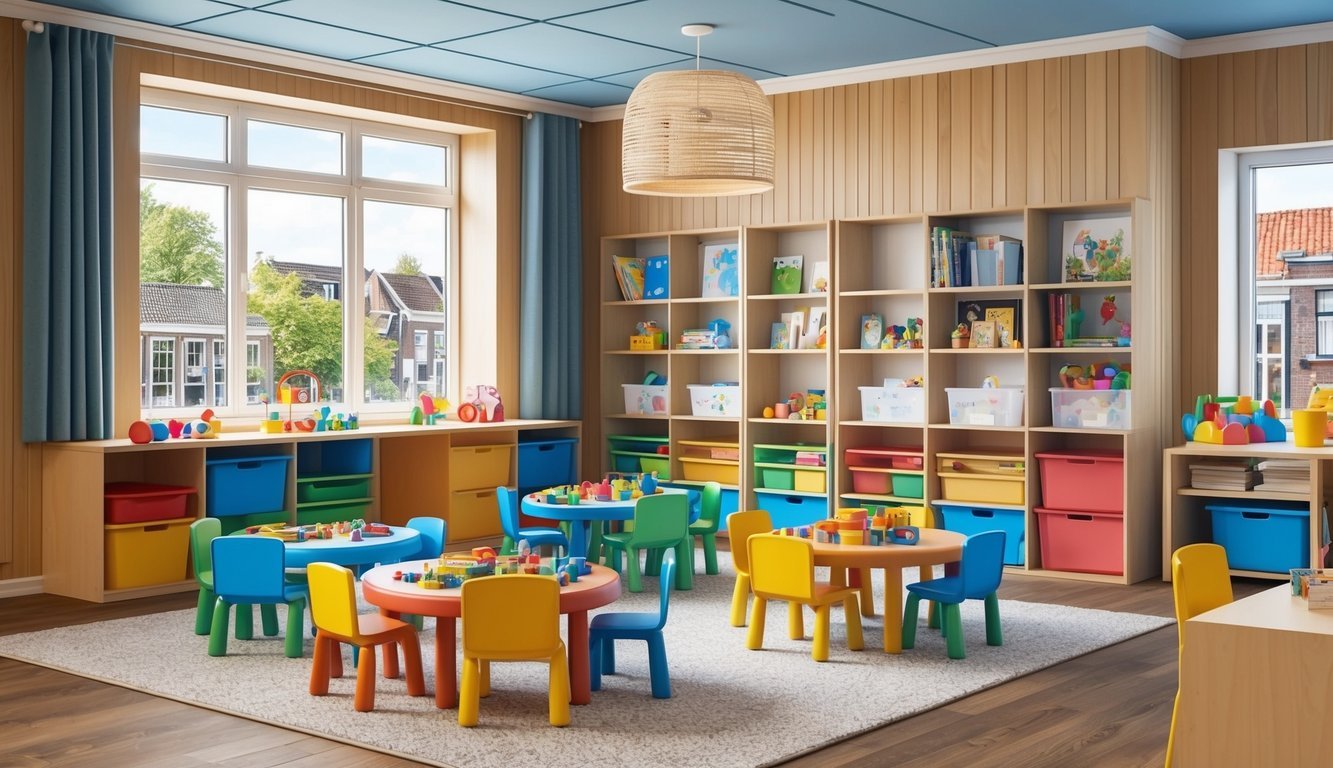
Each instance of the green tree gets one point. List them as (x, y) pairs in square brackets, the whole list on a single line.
[(407, 264), (177, 244)]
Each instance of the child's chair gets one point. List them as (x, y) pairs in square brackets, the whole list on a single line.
[(433, 533), (710, 514), (976, 577), (511, 618), (248, 570), (606, 628), (507, 500), (333, 612), (661, 521), (1200, 581), (740, 527), (783, 568)]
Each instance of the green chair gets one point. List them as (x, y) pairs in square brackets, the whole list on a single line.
[(710, 514), (660, 521), (202, 533)]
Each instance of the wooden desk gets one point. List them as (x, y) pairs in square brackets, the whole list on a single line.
[(1256, 685)]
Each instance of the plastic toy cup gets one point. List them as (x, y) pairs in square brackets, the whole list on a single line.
[(1308, 427), (781, 410)]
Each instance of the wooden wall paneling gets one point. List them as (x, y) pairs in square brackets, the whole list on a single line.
[(1320, 116), (944, 148), (1244, 117), (826, 157), (1035, 169), (915, 148), (980, 126), (1266, 101), (1056, 142), (1226, 102), (1016, 136), (1133, 123), (1075, 115), (1291, 94), (783, 141), (930, 142), (999, 117), (1094, 115), (1112, 121), (878, 146), (1199, 256), (806, 150)]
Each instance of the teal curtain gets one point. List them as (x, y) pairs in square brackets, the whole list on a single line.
[(550, 320), (67, 235)]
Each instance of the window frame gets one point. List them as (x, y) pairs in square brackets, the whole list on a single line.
[(1319, 351), (170, 382)]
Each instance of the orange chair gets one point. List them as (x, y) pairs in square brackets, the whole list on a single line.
[(783, 568), (511, 618), (740, 527), (1200, 582), (333, 612)]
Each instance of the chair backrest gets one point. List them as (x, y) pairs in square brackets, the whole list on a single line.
[(666, 584), (982, 565), (202, 533), (1200, 581), (782, 567), (432, 530), (710, 505), (248, 569), (515, 616), (333, 599), (507, 500), (740, 527), (660, 520)]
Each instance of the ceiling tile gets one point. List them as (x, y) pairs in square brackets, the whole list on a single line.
[(155, 11), (585, 93), (461, 68), (295, 35), (548, 9), (563, 50), (418, 21), (630, 79)]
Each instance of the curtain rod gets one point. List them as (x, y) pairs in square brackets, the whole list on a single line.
[(329, 80)]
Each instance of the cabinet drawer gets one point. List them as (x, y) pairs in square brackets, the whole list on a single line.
[(473, 515), (480, 466)]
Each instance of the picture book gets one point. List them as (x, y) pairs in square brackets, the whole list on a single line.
[(1003, 317), (983, 334), (721, 275), (656, 278), (872, 330), (777, 338), (1008, 316), (786, 274), (795, 322), (816, 329), (1096, 250), (629, 276), (816, 276)]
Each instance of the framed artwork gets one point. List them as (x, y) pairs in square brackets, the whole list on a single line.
[(983, 334), (777, 338), (721, 278), (1007, 314), (786, 274), (1096, 250)]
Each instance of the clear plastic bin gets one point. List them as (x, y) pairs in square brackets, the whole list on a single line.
[(1090, 408), (714, 399), (651, 399), (903, 405), (993, 407)]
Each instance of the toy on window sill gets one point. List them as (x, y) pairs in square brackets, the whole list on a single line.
[(205, 427), (481, 404)]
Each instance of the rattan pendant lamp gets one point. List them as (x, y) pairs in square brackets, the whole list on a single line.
[(697, 133)]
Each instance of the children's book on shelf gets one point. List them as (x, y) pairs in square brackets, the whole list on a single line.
[(778, 338), (816, 275), (815, 335), (721, 276), (656, 278), (795, 321), (1065, 313), (786, 274), (872, 330), (629, 276)]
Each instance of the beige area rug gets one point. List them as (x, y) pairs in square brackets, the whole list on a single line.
[(731, 707)]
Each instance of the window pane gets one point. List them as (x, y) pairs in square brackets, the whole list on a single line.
[(181, 133), (407, 255), (162, 392), (1324, 301), (407, 161), (219, 373), (297, 264), (256, 372), (1325, 334), (196, 372), (274, 145)]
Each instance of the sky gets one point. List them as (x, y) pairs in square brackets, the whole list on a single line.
[(1294, 186)]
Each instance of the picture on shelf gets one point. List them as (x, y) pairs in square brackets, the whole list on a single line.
[(721, 276), (816, 329), (786, 274), (872, 330), (1094, 250), (1007, 314), (777, 338), (983, 334), (816, 274), (656, 278)]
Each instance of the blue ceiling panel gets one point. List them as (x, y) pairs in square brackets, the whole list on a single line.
[(541, 10), (578, 53), (632, 77), (417, 21), (460, 68), (586, 93), (295, 35), (155, 11)]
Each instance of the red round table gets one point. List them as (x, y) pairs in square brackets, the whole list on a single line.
[(393, 598)]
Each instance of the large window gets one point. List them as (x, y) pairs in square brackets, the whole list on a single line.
[(257, 222)]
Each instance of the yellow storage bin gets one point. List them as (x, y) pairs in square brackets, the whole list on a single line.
[(480, 466), (146, 554), (983, 489), (473, 515), (705, 470), (1001, 464), (812, 480)]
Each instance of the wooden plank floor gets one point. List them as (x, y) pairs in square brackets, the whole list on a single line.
[(1111, 707)]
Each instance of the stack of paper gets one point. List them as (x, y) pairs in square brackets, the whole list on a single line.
[(1284, 476), (1224, 475)]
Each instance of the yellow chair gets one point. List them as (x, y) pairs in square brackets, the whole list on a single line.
[(783, 568), (511, 618), (333, 612), (1200, 582), (740, 527)]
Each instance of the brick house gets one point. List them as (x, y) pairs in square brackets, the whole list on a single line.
[(1294, 309), (409, 309)]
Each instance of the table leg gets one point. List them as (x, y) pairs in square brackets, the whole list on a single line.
[(893, 609), (867, 593), (580, 684), (578, 538), (446, 663)]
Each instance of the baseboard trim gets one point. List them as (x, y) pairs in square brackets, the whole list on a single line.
[(28, 585)]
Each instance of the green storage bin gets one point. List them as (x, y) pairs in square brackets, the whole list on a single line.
[(332, 511), (909, 486), (629, 461), (656, 463), (332, 488), (777, 478)]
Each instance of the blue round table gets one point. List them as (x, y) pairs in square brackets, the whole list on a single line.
[(403, 543)]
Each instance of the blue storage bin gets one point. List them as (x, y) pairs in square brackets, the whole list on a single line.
[(333, 457), (546, 463), (1262, 536), (246, 485), (790, 510), (970, 520)]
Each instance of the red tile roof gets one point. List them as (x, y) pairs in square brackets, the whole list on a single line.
[(1306, 229)]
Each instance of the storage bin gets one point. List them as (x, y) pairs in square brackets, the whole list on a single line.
[(714, 399), (332, 488), (1086, 542), (657, 462), (334, 457), (479, 466), (635, 443), (901, 405), (142, 502), (885, 481), (146, 554), (333, 511), (1090, 408), (994, 407), (1262, 536), (789, 510), (624, 461), (776, 478), (705, 470), (969, 520), (709, 449), (246, 486), (473, 515), (1086, 481), (986, 489), (654, 399), (1000, 464), (811, 480), (546, 463), (891, 458)]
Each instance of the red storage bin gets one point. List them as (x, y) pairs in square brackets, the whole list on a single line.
[(885, 458), (870, 480), (1085, 481), (142, 502), (1087, 542)]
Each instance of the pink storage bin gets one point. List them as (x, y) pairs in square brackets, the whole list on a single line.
[(870, 480), (1086, 542), (885, 458), (1084, 481)]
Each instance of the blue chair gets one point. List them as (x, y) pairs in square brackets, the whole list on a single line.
[(433, 535), (507, 499), (248, 570), (606, 628), (976, 577)]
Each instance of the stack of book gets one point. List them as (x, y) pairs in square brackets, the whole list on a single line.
[(1284, 476), (1224, 475), (697, 338)]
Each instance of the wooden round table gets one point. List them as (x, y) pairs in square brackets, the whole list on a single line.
[(393, 598)]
